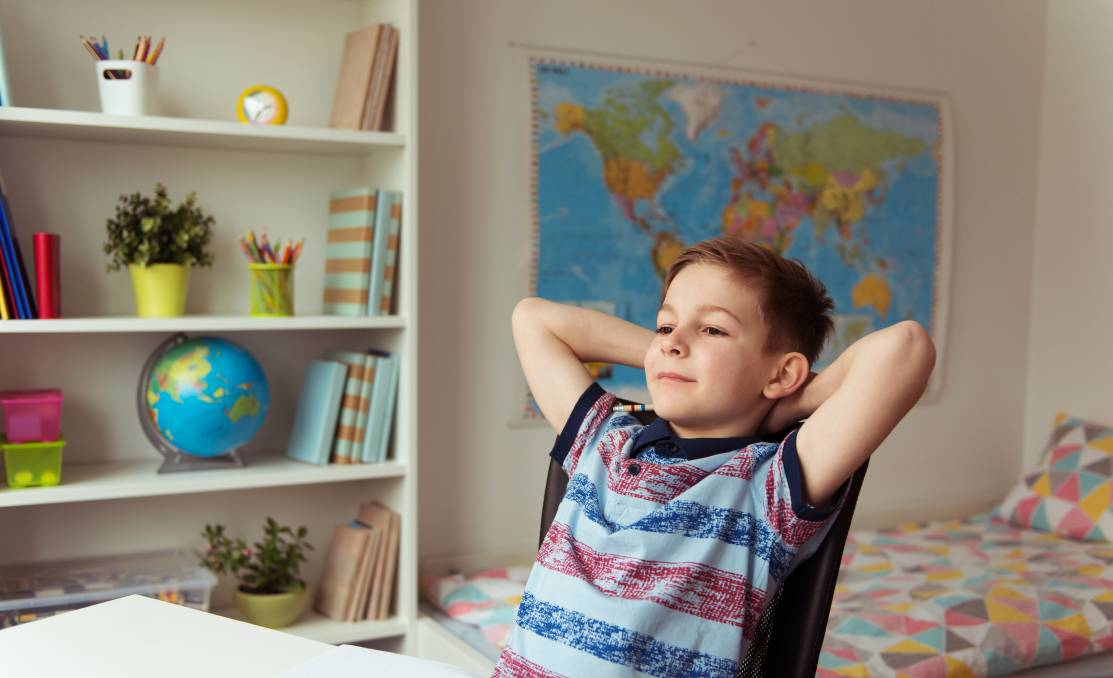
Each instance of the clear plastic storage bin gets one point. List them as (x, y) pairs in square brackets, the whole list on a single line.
[(35, 590)]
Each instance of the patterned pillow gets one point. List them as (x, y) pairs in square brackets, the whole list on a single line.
[(1071, 493)]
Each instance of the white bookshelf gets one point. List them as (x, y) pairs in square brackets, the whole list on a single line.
[(131, 479), (64, 164), (201, 323), (164, 131)]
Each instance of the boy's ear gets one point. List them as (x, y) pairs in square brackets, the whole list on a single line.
[(792, 373)]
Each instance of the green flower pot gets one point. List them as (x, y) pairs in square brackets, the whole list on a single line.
[(160, 289), (273, 610)]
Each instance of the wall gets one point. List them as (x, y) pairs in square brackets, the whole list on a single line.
[(481, 481), (1070, 366)]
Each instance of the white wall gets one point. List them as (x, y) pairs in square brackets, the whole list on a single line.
[(481, 481), (1070, 364)]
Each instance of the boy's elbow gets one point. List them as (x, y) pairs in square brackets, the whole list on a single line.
[(526, 313), (915, 345)]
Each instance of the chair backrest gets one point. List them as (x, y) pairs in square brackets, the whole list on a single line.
[(789, 635)]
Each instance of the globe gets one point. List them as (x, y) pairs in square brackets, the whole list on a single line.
[(202, 396)]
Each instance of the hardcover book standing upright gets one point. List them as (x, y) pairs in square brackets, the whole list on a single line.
[(351, 225), (354, 79), (318, 406)]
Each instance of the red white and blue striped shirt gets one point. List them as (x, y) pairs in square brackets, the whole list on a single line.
[(663, 552)]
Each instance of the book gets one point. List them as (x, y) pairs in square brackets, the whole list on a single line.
[(380, 400), (3, 305), (378, 252), (370, 368), (382, 518), (5, 91), (12, 275), (388, 584), (317, 411), (337, 587), (351, 224), (385, 420), (48, 273), (354, 78), (390, 268), (381, 48), (363, 577), (345, 445), (386, 83)]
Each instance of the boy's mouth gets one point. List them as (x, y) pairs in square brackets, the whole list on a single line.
[(673, 377)]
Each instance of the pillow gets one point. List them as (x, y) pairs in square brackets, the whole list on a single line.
[(1071, 492)]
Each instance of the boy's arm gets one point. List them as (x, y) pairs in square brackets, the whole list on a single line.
[(854, 404), (554, 341)]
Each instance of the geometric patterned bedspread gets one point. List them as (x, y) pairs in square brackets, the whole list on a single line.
[(970, 597)]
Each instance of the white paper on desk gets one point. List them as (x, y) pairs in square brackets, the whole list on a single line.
[(349, 661)]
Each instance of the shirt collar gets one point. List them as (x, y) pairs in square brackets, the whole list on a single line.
[(658, 434)]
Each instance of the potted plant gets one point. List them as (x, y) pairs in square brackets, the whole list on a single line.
[(158, 244), (271, 592)]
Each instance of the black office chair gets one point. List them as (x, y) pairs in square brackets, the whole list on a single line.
[(789, 635)]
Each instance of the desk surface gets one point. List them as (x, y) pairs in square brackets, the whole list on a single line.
[(142, 637)]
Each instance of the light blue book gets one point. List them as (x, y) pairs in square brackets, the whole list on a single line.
[(382, 407), (351, 221), (388, 416), (378, 251), (378, 391), (318, 408), (5, 91)]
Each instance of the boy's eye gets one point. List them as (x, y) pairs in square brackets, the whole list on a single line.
[(715, 332), (664, 330)]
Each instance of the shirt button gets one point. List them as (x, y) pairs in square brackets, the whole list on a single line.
[(634, 469)]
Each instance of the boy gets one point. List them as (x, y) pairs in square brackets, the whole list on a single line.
[(671, 537)]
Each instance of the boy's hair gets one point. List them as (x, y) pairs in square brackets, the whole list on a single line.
[(794, 304)]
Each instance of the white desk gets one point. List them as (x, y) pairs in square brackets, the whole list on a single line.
[(142, 637)]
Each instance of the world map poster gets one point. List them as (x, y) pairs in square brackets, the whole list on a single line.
[(631, 165)]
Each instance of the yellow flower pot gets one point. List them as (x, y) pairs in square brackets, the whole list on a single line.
[(273, 610), (160, 289)]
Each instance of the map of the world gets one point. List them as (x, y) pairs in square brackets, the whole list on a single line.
[(632, 166)]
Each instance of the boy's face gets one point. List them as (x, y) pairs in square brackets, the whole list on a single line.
[(707, 367)]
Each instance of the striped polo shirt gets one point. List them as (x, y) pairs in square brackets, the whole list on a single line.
[(663, 551)]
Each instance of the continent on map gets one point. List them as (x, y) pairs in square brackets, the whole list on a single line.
[(188, 369), (632, 169), (245, 406), (701, 103)]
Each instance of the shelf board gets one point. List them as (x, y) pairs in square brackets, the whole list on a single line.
[(200, 323), (315, 626), (126, 479), (144, 129)]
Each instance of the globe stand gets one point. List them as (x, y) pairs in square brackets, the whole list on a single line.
[(176, 460), (180, 461)]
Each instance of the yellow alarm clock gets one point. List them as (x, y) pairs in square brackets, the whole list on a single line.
[(262, 105)]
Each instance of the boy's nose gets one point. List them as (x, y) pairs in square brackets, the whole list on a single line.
[(674, 346)]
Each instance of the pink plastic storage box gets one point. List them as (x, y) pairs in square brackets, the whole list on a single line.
[(32, 416)]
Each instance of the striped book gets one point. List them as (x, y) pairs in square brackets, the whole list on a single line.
[(346, 447), (351, 227), (370, 365), (385, 300)]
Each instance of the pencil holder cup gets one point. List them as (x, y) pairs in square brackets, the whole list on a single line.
[(127, 87), (272, 289)]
